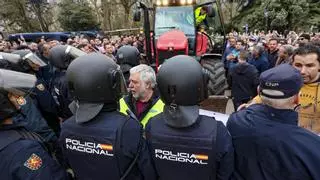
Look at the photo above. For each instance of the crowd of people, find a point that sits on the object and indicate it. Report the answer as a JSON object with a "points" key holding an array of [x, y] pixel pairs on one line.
{"points": [[66, 112], [104, 45], [248, 55]]}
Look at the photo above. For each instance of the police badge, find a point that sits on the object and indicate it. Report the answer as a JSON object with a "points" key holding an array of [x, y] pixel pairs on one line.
{"points": [[40, 87], [33, 163], [21, 101]]}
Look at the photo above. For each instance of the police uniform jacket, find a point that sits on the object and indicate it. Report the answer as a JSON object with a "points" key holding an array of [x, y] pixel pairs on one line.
{"points": [[45, 101], [30, 118], [192, 152], [104, 147], [269, 145], [60, 93], [26, 159]]}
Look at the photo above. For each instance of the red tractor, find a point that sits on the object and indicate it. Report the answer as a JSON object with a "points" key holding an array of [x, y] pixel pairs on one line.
{"points": [[176, 31]]}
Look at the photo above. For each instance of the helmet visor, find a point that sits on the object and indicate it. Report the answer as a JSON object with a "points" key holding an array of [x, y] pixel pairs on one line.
{"points": [[74, 52], [16, 82], [31, 57], [13, 58]]}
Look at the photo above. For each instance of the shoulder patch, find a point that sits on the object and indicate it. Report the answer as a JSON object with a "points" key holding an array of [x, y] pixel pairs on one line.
{"points": [[40, 87], [33, 163], [21, 101]]}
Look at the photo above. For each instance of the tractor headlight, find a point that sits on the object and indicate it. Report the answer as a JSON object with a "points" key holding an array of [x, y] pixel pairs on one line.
{"points": [[165, 2], [190, 1], [159, 3], [183, 2]]}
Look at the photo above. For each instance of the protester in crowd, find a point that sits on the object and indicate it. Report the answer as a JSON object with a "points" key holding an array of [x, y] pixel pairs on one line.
{"points": [[258, 59], [243, 80], [285, 53], [272, 52]]}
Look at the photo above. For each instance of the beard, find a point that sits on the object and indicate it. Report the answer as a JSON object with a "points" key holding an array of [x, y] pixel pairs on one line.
{"points": [[140, 94]]}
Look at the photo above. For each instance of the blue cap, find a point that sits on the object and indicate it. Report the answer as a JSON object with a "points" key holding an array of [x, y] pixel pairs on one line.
{"points": [[280, 82]]}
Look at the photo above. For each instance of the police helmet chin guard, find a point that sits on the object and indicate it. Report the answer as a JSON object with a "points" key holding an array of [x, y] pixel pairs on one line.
{"points": [[60, 56], [94, 80], [182, 91]]}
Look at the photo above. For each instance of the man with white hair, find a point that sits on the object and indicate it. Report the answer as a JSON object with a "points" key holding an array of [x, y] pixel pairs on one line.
{"points": [[267, 140], [143, 100]]}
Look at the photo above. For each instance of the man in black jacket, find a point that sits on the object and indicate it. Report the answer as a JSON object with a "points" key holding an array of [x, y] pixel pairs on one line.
{"points": [[273, 52], [243, 79]]}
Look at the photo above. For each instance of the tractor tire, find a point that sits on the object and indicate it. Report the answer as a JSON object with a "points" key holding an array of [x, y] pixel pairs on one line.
{"points": [[217, 82]]}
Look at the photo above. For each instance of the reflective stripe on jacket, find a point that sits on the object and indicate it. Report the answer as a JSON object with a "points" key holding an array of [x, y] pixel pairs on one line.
{"points": [[156, 109]]}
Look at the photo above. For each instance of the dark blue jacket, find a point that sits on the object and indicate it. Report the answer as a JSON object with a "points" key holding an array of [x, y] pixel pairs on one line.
{"points": [[104, 156], [45, 101], [60, 93], [269, 145], [191, 140], [261, 63], [26, 159], [272, 58], [31, 119], [243, 79]]}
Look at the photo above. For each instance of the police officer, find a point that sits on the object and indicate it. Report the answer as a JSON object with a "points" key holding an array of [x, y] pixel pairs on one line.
{"points": [[110, 143], [60, 57], [31, 63], [23, 155], [267, 140], [144, 100], [29, 115], [184, 144], [127, 57]]}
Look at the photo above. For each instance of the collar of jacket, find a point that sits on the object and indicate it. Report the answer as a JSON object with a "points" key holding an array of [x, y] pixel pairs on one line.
{"points": [[131, 102], [285, 116], [274, 52]]}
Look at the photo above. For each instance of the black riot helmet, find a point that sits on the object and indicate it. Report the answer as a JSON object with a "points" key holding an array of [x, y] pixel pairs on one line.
{"points": [[60, 56], [11, 62], [94, 80], [128, 55], [16, 83], [28, 60], [181, 84]]}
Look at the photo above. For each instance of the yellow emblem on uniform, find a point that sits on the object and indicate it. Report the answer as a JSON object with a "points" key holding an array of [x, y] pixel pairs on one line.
{"points": [[21, 101], [40, 87], [34, 162]]}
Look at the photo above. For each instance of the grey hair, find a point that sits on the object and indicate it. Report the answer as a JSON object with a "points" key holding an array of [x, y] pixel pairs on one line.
{"points": [[286, 103], [147, 74], [289, 49], [259, 49]]}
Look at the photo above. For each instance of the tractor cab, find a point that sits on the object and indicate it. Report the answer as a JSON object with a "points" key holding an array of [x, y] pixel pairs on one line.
{"points": [[176, 31]]}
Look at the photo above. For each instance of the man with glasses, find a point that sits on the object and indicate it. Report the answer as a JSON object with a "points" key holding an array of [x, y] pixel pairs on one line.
{"points": [[304, 39]]}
